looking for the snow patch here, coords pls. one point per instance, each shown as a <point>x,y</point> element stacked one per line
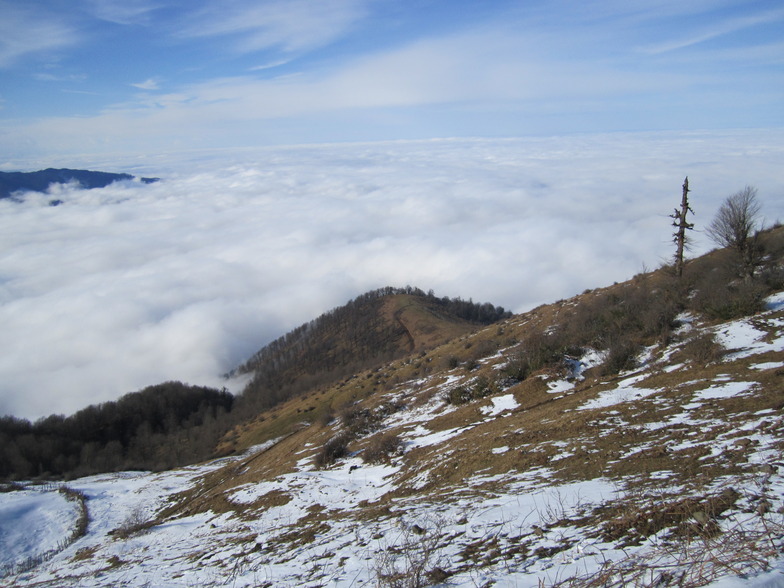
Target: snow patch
<point>500,404</point>
<point>726,390</point>
<point>33,523</point>
<point>775,302</point>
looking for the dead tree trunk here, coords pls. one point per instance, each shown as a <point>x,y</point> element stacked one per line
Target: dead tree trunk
<point>679,237</point>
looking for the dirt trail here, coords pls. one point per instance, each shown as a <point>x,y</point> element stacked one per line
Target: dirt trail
<point>409,336</point>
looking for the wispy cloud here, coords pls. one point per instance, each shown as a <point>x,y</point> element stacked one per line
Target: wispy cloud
<point>288,25</point>
<point>486,70</point>
<point>25,31</point>
<point>714,30</point>
<point>148,84</point>
<point>124,12</point>
<point>50,77</point>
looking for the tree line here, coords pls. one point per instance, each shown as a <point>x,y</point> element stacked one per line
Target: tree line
<point>158,428</point>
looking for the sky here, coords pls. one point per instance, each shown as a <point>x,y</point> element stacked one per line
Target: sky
<point>510,152</point>
<point>151,76</point>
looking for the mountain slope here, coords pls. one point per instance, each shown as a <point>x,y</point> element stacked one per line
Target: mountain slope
<point>365,333</point>
<point>629,436</point>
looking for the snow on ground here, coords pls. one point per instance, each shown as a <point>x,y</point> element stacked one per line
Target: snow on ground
<point>500,404</point>
<point>750,336</point>
<point>725,390</point>
<point>313,527</point>
<point>34,522</point>
<point>775,302</point>
<point>625,392</point>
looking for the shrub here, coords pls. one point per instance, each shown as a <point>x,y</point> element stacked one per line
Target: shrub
<point>517,368</point>
<point>381,447</point>
<point>135,523</point>
<point>621,355</point>
<point>482,386</point>
<point>359,421</point>
<point>730,301</point>
<point>333,450</point>
<point>458,395</point>
<point>452,362</point>
<point>702,349</point>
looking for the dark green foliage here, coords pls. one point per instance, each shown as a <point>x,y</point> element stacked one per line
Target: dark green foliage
<point>159,427</point>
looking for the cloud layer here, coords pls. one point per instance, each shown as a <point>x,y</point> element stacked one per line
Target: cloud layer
<point>135,284</point>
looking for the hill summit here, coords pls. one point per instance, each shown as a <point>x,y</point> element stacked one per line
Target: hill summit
<point>370,330</point>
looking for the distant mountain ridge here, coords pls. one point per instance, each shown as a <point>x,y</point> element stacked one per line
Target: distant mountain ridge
<point>39,181</point>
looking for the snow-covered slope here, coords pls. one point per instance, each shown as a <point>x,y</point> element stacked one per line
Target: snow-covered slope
<point>671,474</point>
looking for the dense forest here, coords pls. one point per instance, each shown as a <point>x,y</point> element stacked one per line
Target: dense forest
<point>174,424</point>
<point>158,428</point>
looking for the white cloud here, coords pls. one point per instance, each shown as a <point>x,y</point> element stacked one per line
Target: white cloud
<point>714,30</point>
<point>148,84</point>
<point>24,32</point>
<point>124,12</point>
<point>489,70</point>
<point>289,25</point>
<point>135,284</point>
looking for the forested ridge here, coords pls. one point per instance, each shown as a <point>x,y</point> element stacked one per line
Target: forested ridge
<point>347,339</point>
<point>174,424</point>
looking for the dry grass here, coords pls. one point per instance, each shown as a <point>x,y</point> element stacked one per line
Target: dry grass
<point>627,442</point>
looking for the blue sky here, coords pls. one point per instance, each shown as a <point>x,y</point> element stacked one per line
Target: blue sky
<point>148,76</point>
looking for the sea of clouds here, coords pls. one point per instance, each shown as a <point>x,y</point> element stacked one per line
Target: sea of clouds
<point>132,285</point>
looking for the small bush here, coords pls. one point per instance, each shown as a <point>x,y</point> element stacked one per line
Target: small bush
<point>517,368</point>
<point>702,349</point>
<point>458,395</point>
<point>621,355</point>
<point>381,448</point>
<point>481,387</point>
<point>359,421</point>
<point>135,523</point>
<point>333,450</point>
<point>452,362</point>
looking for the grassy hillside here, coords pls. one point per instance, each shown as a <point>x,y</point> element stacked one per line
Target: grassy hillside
<point>629,436</point>
<point>367,332</point>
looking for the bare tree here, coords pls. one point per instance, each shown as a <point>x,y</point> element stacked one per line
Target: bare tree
<point>680,223</point>
<point>736,226</point>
